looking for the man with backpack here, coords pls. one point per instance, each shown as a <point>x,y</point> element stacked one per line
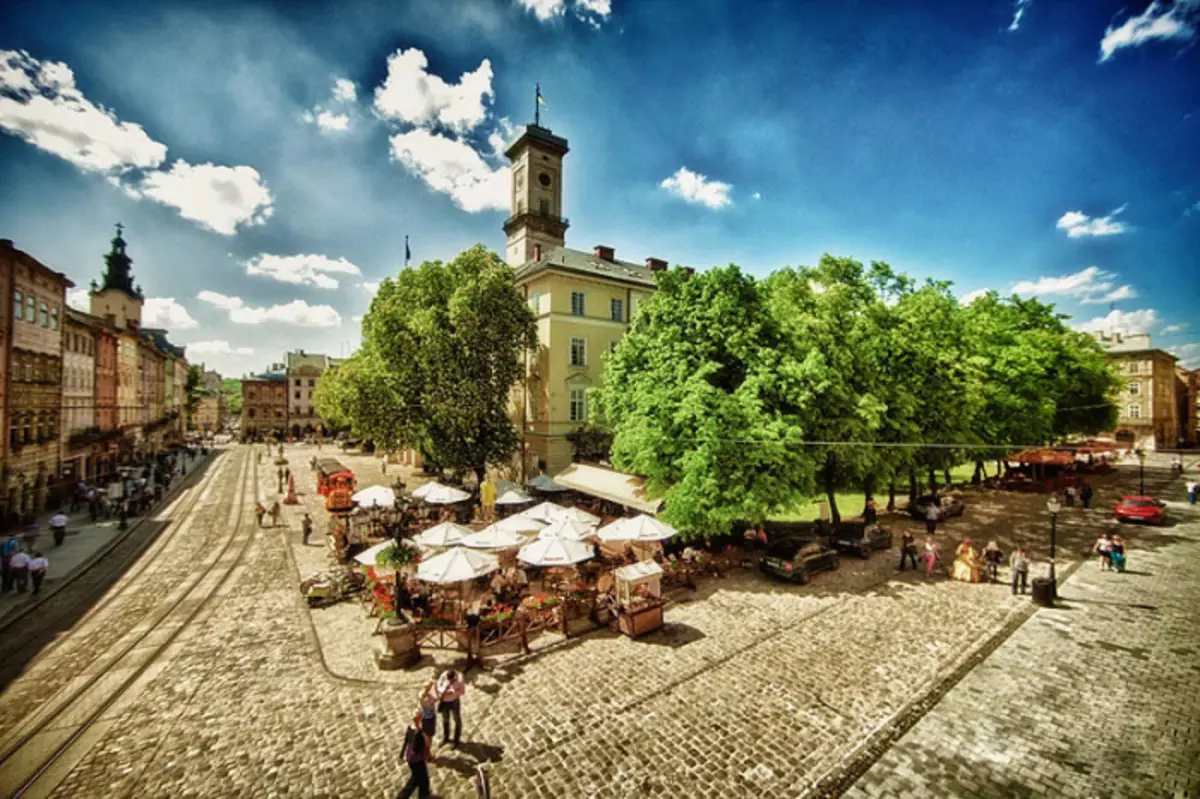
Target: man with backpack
<point>415,753</point>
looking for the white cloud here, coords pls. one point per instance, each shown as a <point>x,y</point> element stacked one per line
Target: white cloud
<point>164,312</point>
<point>696,188</point>
<point>80,299</point>
<point>1121,322</point>
<point>356,319</point>
<point>971,296</point>
<point>310,269</point>
<point>410,94</point>
<point>220,198</point>
<point>1018,12</point>
<point>1169,329</point>
<point>344,91</point>
<point>1119,293</point>
<point>216,347</point>
<point>1083,283</point>
<point>544,10</point>
<point>1077,224</point>
<point>454,168</point>
<point>593,12</point>
<point>296,312</point>
<point>1188,354</point>
<point>328,121</point>
<point>371,286</point>
<point>499,139</point>
<point>757,195</point>
<point>1159,21</point>
<point>40,103</point>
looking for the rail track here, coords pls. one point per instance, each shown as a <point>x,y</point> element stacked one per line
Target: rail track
<point>39,752</point>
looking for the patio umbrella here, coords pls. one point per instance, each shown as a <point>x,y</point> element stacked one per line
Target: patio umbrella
<point>519,524</point>
<point>446,534</point>
<point>574,515</point>
<point>639,528</point>
<point>420,491</point>
<point>555,552</point>
<point>563,530</point>
<point>456,566</point>
<point>367,556</point>
<point>513,497</point>
<point>544,483</point>
<point>445,495</point>
<point>493,537</point>
<point>543,512</point>
<point>382,496</point>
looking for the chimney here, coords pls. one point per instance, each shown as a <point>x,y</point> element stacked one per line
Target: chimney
<point>604,253</point>
<point>656,264</point>
<point>537,252</point>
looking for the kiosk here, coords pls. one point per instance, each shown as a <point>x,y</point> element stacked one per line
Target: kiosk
<point>639,598</point>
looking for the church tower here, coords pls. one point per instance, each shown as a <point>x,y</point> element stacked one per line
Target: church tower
<point>116,299</point>
<point>537,224</point>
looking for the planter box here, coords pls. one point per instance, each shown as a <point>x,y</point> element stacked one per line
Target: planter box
<point>399,650</point>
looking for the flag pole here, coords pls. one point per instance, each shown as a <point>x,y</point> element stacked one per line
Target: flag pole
<point>537,106</point>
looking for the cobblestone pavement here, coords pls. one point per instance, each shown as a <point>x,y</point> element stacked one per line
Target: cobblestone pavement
<point>1097,697</point>
<point>754,689</point>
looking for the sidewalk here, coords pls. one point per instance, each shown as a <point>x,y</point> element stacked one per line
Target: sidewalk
<point>84,539</point>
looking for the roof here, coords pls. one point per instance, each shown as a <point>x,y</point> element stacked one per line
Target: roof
<point>88,320</point>
<point>586,263</point>
<point>158,337</point>
<point>543,136</point>
<point>607,484</point>
<point>269,377</point>
<point>34,263</point>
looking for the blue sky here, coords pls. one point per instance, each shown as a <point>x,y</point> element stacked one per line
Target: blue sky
<point>267,159</point>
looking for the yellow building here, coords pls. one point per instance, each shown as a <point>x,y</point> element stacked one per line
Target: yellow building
<point>119,303</point>
<point>1148,411</point>
<point>583,302</point>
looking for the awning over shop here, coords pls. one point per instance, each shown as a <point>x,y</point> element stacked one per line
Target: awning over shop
<point>596,481</point>
<point>1091,447</point>
<point>1044,457</point>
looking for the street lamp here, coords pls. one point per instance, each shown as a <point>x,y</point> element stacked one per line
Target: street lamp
<point>1054,507</point>
<point>1141,453</point>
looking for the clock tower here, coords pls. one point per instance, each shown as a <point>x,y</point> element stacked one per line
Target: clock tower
<point>536,225</point>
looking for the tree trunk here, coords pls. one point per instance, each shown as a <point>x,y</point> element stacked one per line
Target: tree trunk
<point>912,485</point>
<point>999,468</point>
<point>977,478</point>
<point>480,474</point>
<point>932,481</point>
<point>891,506</point>
<point>946,474</point>
<point>834,516</point>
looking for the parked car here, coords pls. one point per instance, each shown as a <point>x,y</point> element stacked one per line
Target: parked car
<point>859,538</point>
<point>951,506</point>
<point>1146,510</point>
<point>796,559</point>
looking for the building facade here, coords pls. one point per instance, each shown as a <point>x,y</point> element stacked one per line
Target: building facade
<point>1187,395</point>
<point>108,448</point>
<point>303,372</point>
<point>264,406</point>
<point>583,302</point>
<point>211,410</point>
<point>79,426</point>
<point>1148,410</point>
<point>33,383</point>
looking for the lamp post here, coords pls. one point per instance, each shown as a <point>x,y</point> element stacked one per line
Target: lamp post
<point>1141,453</point>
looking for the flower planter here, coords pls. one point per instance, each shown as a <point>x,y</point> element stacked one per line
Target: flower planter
<point>399,650</point>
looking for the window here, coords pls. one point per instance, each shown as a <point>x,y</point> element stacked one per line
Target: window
<point>45,315</point>
<point>1135,412</point>
<point>18,306</point>
<point>297,393</point>
<point>578,351</point>
<point>298,382</point>
<point>577,305</point>
<point>616,309</point>
<point>250,413</point>
<point>1135,388</point>
<point>535,302</point>
<point>544,207</point>
<point>54,319</point>
<point>312,384</point>
<point>577,405</point>
<point>31,309</point>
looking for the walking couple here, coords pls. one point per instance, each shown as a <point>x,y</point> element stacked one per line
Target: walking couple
<point>444,696</point>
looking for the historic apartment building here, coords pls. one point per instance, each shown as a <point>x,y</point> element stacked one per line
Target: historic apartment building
<point>303,371</point>
<point>78,395</point>
<point>1187,395</point>
<point>33,381</point>
<point>264,406</point>
<point>1148,410</point>
<point>583,301</point>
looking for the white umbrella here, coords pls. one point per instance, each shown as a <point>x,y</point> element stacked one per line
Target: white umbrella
<point>367,556</point>
<point>456,566</point>
<point>555,552</point>
<point>493,537</point>
<point>446,534</point>
<point>640,528</point>
<point>513,497</point>
<point>567,531</point>
<point>445,495</point>
<point>420,491</point>
<point>544,483</point>
<point>519,524</point>
<point>382,496</point>
<point>574,515</point>
<point>543,512</point>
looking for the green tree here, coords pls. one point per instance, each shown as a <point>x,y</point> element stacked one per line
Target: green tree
<point>192,389</point>
<point>231,387</point>
<point>702,400</point>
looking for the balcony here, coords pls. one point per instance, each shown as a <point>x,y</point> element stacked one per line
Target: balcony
<point>548,220</point>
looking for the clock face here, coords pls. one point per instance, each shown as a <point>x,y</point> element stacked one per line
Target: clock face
<point>544,179</point>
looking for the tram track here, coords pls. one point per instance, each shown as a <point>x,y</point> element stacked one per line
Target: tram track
<point>39,753</point>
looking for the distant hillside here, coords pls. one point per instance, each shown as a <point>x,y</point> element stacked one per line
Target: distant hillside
<point>231,387</point>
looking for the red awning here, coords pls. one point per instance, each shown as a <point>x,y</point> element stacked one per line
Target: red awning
<point>1043,456</point>
<point>1091,447</point>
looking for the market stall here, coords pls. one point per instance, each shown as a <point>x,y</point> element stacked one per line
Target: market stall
<point>639,598</point>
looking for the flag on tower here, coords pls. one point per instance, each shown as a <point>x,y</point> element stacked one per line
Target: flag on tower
<point>539,95</point>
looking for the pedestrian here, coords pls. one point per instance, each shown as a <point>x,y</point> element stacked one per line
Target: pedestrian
<point>1192,488</point>
<point>123,515</point>
<point>259,511</point>
<point>428,701</point>
<point>415,753</point>
<point>993,557</point>
<point>275,512</point>
<point>306,526</point>
<point>383,465</point>
<point>287,474</point>
<point>932,514</point>
<point>1085,494</point>
<point>20,570</point>
<point>1019,563</point>
<point>450,688</point>
<point>932,557</point>
<point>37,571</point>
<point>58,525</point>
<point>1069,496</point>
<point>1103,548</point>
<point>7,550</point>
<point>1118,553</point>
<point>908,549</point>
<point>870,512</point>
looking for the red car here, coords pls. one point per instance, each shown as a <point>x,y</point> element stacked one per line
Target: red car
<point>1146,510</point>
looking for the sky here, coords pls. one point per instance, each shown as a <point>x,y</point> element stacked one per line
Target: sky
<point>267,159</point>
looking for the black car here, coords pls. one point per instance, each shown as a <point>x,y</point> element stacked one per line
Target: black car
<point>951,506</point>
<point>796,559</point>
<point>860,538</point>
